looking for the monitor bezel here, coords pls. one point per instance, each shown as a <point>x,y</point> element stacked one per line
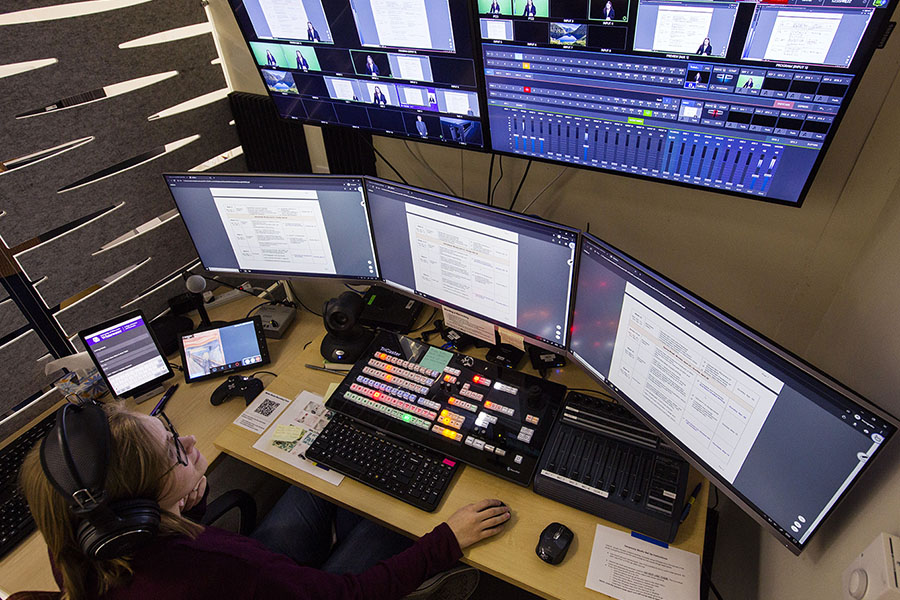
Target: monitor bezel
<point>269,275</point>
<point>865,53</point>
<point>535,341</point>
<point>261,345</point>
<point>471,8</point>
<point>792,362</point>
<point>144,387</point>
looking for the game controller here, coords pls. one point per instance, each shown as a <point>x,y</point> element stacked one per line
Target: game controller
<point>237,385</point>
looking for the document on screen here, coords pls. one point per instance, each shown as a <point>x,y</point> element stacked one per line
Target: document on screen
<point>343,89</point>
<point>681,29</point>
<point>471,265</point>
<point>695,386</point>
<point>402,23</point>
<point>275,230</point>
<point>286,18</point>
<point>495,29</point>
<point>411,67</point>
<point>802,37</point>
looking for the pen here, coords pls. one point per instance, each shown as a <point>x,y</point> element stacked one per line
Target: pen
<point>318,368</point>
<point>162,402</point>
<point>689,503</point>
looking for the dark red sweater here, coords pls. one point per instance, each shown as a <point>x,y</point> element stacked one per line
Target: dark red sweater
<point>218,565</point>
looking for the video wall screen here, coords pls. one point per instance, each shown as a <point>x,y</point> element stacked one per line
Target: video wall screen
<point>738,97</point>
<point>397,67</point>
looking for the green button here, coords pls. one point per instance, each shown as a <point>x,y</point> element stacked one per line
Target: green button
<point>648,113</point>
<point>635,121</point>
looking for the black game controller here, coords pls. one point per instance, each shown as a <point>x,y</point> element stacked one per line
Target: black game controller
<point>237,385</point>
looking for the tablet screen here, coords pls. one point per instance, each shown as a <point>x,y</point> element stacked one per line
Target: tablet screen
<point>215,351</point>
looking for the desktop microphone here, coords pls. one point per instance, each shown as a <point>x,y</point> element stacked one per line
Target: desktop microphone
<point>195,285</point>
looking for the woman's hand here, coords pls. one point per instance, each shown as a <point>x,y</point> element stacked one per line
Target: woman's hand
<point>478,521</point>
<point>193,497</point>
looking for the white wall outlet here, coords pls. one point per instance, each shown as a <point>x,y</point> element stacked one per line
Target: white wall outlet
<point>874,574</point>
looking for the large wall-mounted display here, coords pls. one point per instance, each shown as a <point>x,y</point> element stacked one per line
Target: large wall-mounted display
<point>397,67</point>
<point>740,97</point>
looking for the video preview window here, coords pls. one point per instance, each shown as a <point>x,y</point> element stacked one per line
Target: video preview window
<point>701,28</point>
<point>289,20</point>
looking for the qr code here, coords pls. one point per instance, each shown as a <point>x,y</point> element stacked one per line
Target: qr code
<point>267,407</point>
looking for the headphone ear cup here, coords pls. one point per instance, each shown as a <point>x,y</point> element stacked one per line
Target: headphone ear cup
<point>136,524</point>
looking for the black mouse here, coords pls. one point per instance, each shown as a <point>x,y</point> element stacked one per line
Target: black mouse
<point>554,543</point>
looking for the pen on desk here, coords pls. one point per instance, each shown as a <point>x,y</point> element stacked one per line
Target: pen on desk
<point>162,401</point>
<point>318,368</point>
<point>689,503</point>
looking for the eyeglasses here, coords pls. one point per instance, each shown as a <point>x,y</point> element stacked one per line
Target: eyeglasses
<point>180,453</point>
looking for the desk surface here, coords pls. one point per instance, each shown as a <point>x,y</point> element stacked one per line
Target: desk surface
<point>509,556</point>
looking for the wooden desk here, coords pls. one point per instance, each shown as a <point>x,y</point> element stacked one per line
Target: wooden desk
<point>510,555</point>
<point>27,567</point>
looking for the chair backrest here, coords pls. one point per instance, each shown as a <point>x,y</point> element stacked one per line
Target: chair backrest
<point>35,596</point>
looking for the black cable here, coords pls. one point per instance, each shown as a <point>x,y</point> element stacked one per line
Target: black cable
<point>174,366</point>
<point>522,182</point>
<point>716,490</point>
<point>372,146</point>
<point>425,324</point>
<point>265,373</point>
<point>494,191</point>
<point>355,291</point>
<point>709,580</point>
<point>490,179</point>
<point>306,344</point>
<point>252,310</point>
<point>299,301</point>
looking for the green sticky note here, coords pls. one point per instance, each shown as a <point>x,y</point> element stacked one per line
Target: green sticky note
<point>436,359</point>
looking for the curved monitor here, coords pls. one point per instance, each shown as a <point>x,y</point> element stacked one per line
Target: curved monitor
<point>783,440</point>
<point>742,97</point>
<point>511,270</point>
<point>397,67</point>
<point>277,225</point>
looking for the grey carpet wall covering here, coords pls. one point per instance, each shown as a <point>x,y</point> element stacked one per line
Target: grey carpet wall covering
<point>95,105</point>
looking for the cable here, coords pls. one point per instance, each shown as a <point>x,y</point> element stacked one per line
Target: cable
<point>372,146</point>
<point>421,159</point>
<point>299,301</point>
<point>521,183</point>
<point>709,580</point>
<point>427,321</point>
<point>265,373</point>
<point>494,191</point>
<point>546,187</point>
<point>352,289</point>
<point>174,366</point>
<point>490,179</point>
<point>252,310</point>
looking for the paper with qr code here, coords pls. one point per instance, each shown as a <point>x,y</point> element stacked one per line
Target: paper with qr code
<point>261,412</point>
<point>307,417</point>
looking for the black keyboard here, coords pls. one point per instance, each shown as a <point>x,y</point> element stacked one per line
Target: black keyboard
<point>602,459</point>
<point>409,472</point>
<point>15,519</point>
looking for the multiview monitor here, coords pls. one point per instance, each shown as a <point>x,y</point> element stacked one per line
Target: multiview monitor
<point>738,97</point>
<point>280,226</point>
<point>783,440</point>
<point>510,270</point>
<point>398,67</point>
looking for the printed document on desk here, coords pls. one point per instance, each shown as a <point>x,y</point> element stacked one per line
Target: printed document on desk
<point>307,416</point>
<point>629,568</point>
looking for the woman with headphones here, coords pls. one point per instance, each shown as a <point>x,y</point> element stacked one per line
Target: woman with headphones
<point>109,490</point>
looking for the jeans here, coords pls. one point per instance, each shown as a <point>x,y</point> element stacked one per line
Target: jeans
<point>303,526</point>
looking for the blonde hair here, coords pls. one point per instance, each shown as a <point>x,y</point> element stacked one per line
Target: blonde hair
<point>137,469</point>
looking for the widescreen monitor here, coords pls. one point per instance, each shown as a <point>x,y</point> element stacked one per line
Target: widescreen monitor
<point>502,267</point>
<point>782,439</point>
<point>398,67</point>
<point>277,225</point>
<point>740,97</point>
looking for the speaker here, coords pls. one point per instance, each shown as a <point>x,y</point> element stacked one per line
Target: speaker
<point>75,457</point>
<point>346,339</point>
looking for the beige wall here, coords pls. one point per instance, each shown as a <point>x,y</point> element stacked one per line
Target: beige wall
<point>820,280</point>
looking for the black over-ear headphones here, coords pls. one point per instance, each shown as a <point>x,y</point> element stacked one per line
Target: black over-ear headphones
<point>75,457</point>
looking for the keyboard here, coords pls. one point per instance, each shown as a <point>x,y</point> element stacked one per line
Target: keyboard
<point>15,519</point>
<point>409,472</point>
<point>603,460</point>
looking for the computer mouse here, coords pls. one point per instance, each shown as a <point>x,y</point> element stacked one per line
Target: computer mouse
<point>554,543</point>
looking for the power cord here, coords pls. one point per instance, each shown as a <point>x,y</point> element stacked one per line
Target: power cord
<point>490,179</point>
<point>387,162</point>
<point>264,373</point>
<point>299,301</point>
<point>494,191</point>
<point>521,183</point>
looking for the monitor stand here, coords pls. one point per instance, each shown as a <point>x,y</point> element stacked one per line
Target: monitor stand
<point>150,394</point>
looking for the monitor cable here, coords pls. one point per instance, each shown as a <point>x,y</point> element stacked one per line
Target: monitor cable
<point>387,162</point>
<point>521,183</point>
<point>419,157</point>
<point>300,302</point>
<point>546,187</point>
<point>487,200</point>
<point>494,191</point>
